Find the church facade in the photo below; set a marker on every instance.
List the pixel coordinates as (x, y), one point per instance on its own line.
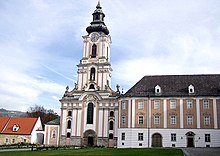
(158, 111)
(89, 113)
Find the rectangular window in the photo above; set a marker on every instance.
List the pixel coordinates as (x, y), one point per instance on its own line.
(25, 140)
(207, 120)
(140, 120)
(172, 119)
(13, 141)
(190, 120)
(173, 136)
(172, 104)
(140, 104)
(156, 104)
(122, 136)
(189, 104)
(6, 140)
(156, 120)
(207, 138)
(123, 105)
(123, 120)
(140, 136)
(206, 104)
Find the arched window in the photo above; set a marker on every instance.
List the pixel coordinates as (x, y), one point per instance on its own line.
(69, 124)
(111, 125)
(92, 74)
(92, 86)
(68, 135)
(69, 113)
(110, 136)
(90, 113)
(53, 134)
(111, 113)
(94, 49)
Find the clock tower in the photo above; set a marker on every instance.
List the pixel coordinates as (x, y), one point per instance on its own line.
(89, 112)
(94, 70)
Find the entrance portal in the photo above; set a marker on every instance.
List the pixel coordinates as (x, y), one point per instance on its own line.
(90, 141)
(156, 140)
(89, 138)
(190, 139)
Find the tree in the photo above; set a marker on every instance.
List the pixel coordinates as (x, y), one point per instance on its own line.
(44, 114)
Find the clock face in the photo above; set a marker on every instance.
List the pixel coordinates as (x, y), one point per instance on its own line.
(94, 37)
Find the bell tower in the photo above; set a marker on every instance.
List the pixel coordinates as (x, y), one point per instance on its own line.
(94, 70)
(89, 112)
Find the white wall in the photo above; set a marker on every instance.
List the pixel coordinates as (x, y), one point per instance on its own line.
(131, 137)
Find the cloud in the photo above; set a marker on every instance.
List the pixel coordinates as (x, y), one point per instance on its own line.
(152, 37)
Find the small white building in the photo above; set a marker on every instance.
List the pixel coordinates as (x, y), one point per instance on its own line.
(15, 130)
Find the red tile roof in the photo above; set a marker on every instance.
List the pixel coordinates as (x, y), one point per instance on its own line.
(26, 125)
(3, 122)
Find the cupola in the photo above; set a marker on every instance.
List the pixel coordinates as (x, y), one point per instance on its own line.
(98, 25)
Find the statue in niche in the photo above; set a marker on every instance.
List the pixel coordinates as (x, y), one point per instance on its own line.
(92, 74)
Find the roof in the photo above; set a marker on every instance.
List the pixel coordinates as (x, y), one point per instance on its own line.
(176, 85)
(3, 122)
(54, 122)
(25, 125)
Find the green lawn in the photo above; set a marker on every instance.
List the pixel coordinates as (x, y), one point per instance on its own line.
(100, 152)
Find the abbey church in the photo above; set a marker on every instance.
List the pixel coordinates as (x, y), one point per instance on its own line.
(158, 111)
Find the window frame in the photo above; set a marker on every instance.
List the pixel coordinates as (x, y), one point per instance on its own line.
(111, 125)
(207, 137)
(140, 104)
(94, 51)
(189, 104)
(173, 119)
(53, 134)
(140, 120)
(123, 120)
(69, 124)
(69, 113)
(123, 136)
(156, 120)
(206, 120)
(123, 105)
(172, 104)
(140, 136)
(173, 137)
(190, 120)
(206, 104)
(90, 113)
(156, 104)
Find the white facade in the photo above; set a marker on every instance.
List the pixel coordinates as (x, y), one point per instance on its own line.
(89, 112)
(131, 137)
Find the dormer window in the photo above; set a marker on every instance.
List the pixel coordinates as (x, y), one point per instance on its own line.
(157, 89)
(15, 128)
(191, 89)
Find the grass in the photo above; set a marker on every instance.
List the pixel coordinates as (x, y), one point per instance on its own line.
(100, 152)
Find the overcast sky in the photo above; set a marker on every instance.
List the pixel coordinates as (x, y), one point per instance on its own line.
(41, 44)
